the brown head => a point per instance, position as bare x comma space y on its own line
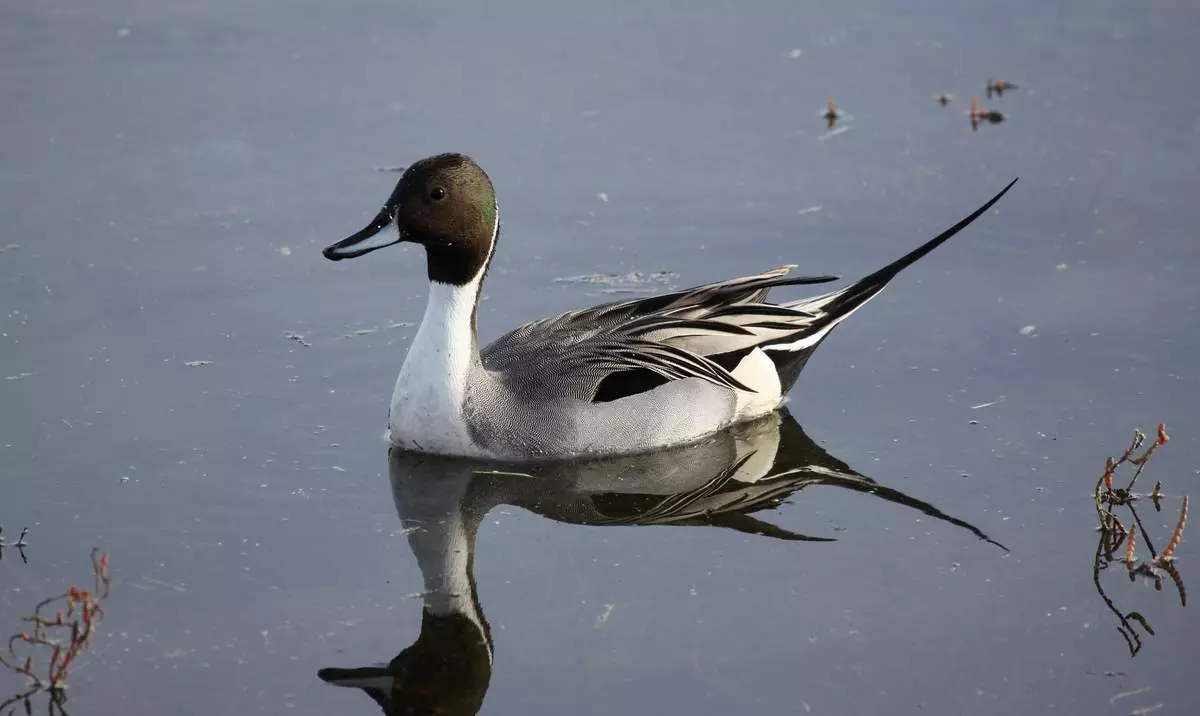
447, 204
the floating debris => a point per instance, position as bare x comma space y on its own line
602, 197
831, 114
809, 210
632, 282
943, 98
999, 87
1027, 330
19, 376
988, 404
796, 53
298, 338
385, 327
603, 617
1126, 694
391, 169
9, 247
980, 114
197, 363
285, 250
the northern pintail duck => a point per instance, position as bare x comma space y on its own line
621, 377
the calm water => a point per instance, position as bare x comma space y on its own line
169, 172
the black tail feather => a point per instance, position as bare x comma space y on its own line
789, 362
869, 285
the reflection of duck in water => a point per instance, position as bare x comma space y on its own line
441, 502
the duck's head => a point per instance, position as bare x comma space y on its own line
447, 204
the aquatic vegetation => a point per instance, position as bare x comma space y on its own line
831, 113
980, 114
1119, 537
999, 87
62, 637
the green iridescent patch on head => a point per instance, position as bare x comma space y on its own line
489, 210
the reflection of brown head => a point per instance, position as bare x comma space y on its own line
446, 671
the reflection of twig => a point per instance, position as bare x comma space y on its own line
64, 636
1114, 534
1132, 639
1173, 573
20, 544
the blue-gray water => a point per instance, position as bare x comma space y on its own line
170, 170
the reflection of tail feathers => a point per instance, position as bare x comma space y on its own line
898, 497
744, 523
726, 502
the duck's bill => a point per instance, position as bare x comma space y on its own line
381, 232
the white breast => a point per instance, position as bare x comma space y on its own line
427, 403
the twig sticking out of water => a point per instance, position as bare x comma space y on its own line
1114, 534
63, 636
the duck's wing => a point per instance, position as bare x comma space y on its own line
624, 348
651, 340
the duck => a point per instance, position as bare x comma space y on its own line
623, 377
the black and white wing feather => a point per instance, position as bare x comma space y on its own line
622, 348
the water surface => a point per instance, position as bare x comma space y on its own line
195, 390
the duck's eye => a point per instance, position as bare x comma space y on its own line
437, 193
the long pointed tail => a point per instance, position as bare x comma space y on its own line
866, 288
791, 353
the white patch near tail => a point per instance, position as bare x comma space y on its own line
757, 372
815, 338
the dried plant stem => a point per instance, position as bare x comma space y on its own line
64, 636
1129, 545
1169, 552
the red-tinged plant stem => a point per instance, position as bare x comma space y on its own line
1169, 552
